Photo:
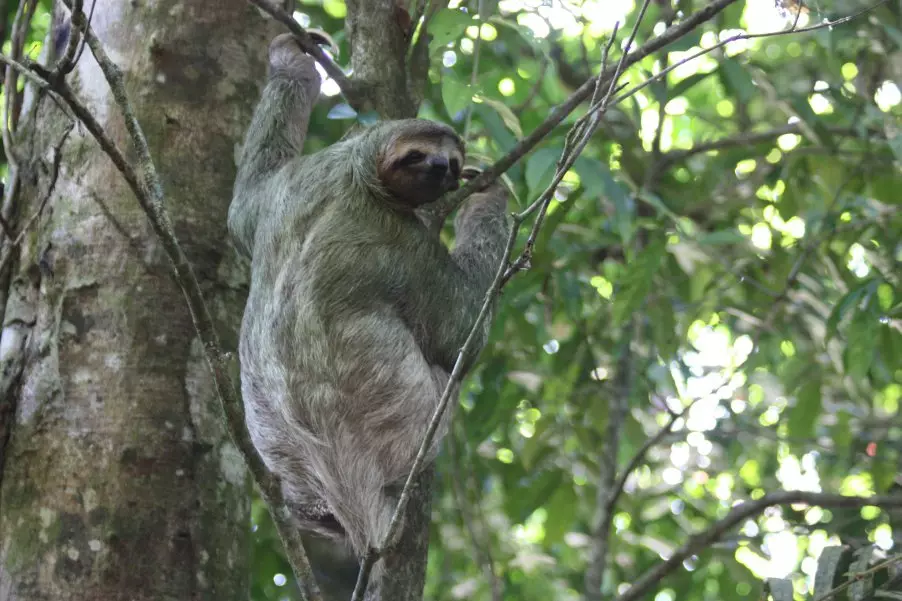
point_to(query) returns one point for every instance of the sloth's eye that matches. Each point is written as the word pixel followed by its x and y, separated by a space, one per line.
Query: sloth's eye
pixel 414 156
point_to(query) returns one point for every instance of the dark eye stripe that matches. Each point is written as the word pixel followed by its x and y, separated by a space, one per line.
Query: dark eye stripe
pixel 412 157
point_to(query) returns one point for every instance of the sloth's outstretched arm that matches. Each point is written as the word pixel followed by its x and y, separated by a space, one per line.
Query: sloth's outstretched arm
pixel 276 134
pixel 458 291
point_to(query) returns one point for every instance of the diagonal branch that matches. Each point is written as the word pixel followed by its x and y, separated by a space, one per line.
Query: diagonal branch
pixel 670 35
pixel 744 139
pixel 577 139
pixel 309 45
pixel 698 542
pixel 559 113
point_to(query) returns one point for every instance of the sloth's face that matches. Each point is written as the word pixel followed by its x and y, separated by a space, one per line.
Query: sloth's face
pixel 417 169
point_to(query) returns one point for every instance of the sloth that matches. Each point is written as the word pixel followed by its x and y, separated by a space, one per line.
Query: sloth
pixel 356 311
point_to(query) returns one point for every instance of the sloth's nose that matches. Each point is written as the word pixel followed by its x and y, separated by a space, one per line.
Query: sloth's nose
pixel 438 165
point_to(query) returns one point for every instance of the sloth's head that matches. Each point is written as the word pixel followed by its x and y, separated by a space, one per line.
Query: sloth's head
pixel 419 161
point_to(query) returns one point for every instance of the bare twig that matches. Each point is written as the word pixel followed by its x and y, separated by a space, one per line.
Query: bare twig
pixel 743 139
pixel 883 565
pixel 21 24
pixel 54 175
pixel 67 62
pixel 24 13
pixel 312 48
pixel 740 37
pixel 561 112
pixel 76 45
pixel 738 515
pixel 670 35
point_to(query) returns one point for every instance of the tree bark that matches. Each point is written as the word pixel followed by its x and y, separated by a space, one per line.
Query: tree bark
pixel 391 78
pixel 118 478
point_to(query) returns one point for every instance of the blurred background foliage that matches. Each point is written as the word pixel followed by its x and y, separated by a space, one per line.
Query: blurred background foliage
pixel 724 256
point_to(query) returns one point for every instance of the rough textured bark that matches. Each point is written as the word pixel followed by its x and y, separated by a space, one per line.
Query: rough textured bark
pixel 391 85
pixel 118 478
pixel 379 32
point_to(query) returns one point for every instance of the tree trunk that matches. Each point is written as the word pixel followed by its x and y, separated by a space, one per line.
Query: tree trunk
pixel 118 477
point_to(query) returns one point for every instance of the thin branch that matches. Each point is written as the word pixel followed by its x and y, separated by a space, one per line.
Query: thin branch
pixel 76 46
pixel 743 139
pixel 559 113
pixel 54 175
pixel 21 26
pixel 310 46
pixel 24 13
pixel 740 37
pixel 670 35
pixel 504 272
pixel 748 509
pixel 859 576
pixel 639 457
pixel 26 69
pixel 67 62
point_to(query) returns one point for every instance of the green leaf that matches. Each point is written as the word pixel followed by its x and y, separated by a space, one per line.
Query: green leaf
pixel 540 169
pixel 507 115
pixel 560 512
pixel 624 206
pixel 737 80
pixel 780 589
pixel 862 586
pixel 804 415
pixel 686 42
pixel 533 494
pixel 721 237
pixel 637 282
pixel 885 188
pixel 664 330
pixel 849 301
pixel 861 338
pixel 684 84
pixel 446 26
pixel 830 567
pixel 455 94
pixel 842 432
pixel 595 175
pixel 894 139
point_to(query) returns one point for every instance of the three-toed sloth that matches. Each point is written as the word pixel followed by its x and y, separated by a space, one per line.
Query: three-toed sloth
pixel 357 311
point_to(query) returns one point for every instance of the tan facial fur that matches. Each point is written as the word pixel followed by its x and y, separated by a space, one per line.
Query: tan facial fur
pixel 416 167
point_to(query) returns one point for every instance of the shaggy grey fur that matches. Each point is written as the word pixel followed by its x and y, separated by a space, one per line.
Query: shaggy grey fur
pixel 356 311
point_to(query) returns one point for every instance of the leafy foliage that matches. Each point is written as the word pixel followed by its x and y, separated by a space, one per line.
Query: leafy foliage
pixel 734 228
pixel 739 220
